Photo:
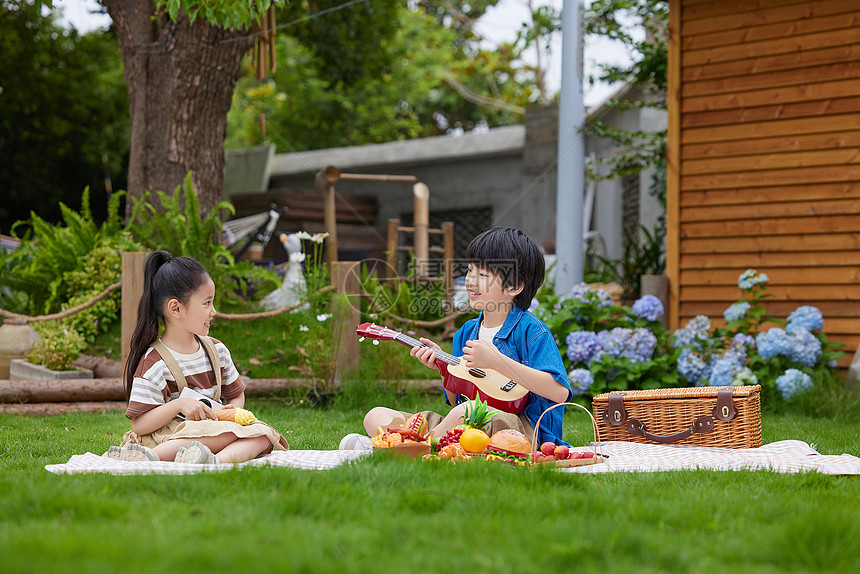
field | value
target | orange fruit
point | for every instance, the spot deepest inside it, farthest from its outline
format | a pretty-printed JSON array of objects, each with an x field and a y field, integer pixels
[{"x": 474, "y": 440}]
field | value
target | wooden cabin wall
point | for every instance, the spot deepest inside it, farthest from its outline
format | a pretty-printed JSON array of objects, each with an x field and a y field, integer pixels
[{"x": 764, "y": 157}]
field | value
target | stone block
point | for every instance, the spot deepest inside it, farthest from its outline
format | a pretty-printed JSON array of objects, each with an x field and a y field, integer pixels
[{"x": 21, "y": 369}]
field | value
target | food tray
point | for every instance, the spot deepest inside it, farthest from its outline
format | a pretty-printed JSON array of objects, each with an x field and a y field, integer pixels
[{"x": 570, "y": 462}]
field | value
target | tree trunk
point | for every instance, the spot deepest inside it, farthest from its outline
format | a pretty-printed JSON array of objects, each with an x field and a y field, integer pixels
[{"x": 180, "y": 79}]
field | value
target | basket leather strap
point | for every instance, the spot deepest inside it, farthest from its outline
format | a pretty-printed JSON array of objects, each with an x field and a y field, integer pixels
[
  {"x": 725, "y": 409},
  {"x": 616, "y": 414},
  {"x": 702, "y": 424}
]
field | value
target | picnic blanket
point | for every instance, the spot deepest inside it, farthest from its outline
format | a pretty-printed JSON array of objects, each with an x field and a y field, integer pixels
[
  {"x": 790, "y": 456},
  {"x": 302, "y": 459}
]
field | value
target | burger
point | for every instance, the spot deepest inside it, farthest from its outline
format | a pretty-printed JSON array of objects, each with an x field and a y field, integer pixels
[{"x": 509, "y": 445}]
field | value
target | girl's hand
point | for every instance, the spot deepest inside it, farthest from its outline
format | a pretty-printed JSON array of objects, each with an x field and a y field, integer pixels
[
  {"x": 427, "y": 355},
  {"x": 480, "y": 354},
  {"x": 195, "y": 410}
]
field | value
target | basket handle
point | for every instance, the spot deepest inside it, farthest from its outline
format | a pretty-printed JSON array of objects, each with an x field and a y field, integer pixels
[
  {"x": 703, "y": 424},
  {"x": 597, "y": 445}
]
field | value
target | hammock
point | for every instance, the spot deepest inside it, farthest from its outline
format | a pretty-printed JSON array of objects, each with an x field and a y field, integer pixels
[{"x": 252, "y": 228}]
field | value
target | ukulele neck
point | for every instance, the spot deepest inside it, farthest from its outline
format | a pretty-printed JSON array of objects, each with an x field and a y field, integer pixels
[{"x": 440, "y": 355}]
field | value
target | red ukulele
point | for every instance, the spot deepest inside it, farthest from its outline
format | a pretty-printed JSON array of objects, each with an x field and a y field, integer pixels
[{"x": 491, "y": 386}]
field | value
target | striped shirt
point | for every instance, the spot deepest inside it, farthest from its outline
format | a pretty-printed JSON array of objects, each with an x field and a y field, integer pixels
[{"x": 153, "y": 384}]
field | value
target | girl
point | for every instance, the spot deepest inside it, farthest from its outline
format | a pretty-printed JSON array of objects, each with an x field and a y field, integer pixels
[{"x": 164, "y": 426}]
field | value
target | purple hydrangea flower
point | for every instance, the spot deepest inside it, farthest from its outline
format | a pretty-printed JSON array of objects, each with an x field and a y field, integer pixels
[
  {"x": 648, "y": 307},
  {"x": 736, "y": 311},
  {"x": 580, "y": 380},
  {"x": 793, "y": 381},
  {"x": 692, "y": 367},
  {"x": 808, "y": 317},
  {"x": 582, "y": 346}
]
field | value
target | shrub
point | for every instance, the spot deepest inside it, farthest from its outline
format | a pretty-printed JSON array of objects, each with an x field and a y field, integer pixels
[
  {"x": 58, "y": 346},
  {"x": 627, "y": 348}
]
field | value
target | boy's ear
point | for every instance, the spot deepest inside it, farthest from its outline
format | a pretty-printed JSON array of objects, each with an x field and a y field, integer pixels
[{"x": 514, "y": 291}]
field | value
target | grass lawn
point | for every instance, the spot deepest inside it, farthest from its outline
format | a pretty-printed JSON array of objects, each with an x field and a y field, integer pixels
[{"x": 380, "y": 515}]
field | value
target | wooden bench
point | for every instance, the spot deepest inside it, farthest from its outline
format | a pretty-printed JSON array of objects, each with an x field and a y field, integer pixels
[{"x": 358, "y": 235}]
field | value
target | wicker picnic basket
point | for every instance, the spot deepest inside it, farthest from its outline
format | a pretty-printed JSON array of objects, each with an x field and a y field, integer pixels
[
  {"x": 726, "y": 417},
  {"x": 596, "y": 446}
]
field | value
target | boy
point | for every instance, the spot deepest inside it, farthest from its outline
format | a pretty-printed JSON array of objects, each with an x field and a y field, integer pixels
[{"x": 506, "y": 268}]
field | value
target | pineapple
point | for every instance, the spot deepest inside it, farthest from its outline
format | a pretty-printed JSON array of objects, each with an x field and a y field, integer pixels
[{"x": 477, "y": 416}]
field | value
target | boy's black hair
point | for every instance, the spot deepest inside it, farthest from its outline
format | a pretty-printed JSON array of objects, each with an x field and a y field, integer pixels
[{"x": 514, "y": 257}]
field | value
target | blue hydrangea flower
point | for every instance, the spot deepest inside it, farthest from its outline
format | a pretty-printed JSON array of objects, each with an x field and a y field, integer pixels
[
  {"x": 534, "y": 305},
  {"x": 722, "y": 372},
  {"x": 773, "y": 342},
  {"x": 749, "y": 279},
  {"x": 699, "y": 325},
  {"x": 582, "y": 346},
  {"x": 808, "y": 317},
  {"x": 805, "y": 348},
  {"x": 580, "y": 380},
  {"x": 792, "y": 382},
  {"x": 648, "y": 307},
  {"x": 643, "y": 343},
  {"x": 692, "y": 367},
  {"x": 743, "y": 339},
  {"x": 736, "y": 311}
]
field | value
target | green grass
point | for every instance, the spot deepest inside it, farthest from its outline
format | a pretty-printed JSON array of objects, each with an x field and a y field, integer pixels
[{"x": 382, "y": 515}]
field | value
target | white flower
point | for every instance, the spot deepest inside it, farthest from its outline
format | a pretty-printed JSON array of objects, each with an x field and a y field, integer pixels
[
  {"x": 303, "y": 328},
  {"x": 323, "y": 317},
  {"x": 303, "y": 235},
  {"x": 318, "y": 237},
  {"x": 297, "y": 257}
]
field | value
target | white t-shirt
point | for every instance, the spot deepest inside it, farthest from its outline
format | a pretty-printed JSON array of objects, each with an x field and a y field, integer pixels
[{"x": 487, "y": 333}]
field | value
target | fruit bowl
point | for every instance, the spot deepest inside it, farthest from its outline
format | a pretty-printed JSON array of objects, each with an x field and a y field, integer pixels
[{"x": 404, "y": 449}]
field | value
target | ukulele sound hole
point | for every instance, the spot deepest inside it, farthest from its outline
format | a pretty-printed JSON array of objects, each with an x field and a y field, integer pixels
[{"x": 477, "y": 373}]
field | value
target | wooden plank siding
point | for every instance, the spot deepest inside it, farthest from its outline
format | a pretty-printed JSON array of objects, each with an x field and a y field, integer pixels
[{"x": 764, "y": 157}]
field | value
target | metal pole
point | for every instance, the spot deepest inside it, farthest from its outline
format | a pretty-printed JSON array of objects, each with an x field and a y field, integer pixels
[{"x": 569, "y": 251}]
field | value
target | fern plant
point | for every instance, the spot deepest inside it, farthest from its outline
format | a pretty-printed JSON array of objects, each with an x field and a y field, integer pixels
[{"x": 48, "y": 253}]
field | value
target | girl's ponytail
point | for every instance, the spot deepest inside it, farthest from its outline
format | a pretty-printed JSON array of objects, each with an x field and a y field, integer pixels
[{"x": 164, "y": 277}]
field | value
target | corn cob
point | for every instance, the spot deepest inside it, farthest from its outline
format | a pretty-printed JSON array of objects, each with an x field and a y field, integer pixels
[{"x": 239, "y": 416}]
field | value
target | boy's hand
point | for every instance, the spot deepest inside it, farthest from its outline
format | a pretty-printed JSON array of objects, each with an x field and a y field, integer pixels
[
  {"x": 480, "y": 354},
  {"x": 427, "y": 355}
]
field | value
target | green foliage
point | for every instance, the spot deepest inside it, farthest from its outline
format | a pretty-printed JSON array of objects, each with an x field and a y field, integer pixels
[
  {"x": 177, "y": 226},
  {"x": 391, "y": 78},
  {"x": 101, "y": 269},
  {"x": 58, "y": 346},
  {"x": 641, "y": 27},
  {"x": 64, "y": 120},
  {"x": 226, "y": 13},
  {"x": 643, "y": 255},
  {"x": 49, "y": 254}
]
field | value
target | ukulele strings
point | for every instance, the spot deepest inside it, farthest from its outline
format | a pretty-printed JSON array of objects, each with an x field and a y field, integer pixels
[{"x": 452, "y": 360}]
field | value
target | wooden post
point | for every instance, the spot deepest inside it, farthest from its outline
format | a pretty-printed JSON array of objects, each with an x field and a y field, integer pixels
[
  {"x": 393, "y": 242},
  {"x": 325, "y": 184},
  {"x": 422, "y": 228},
  {"x": 346, "y": 310},
  {"x": 133, "y": 264}
]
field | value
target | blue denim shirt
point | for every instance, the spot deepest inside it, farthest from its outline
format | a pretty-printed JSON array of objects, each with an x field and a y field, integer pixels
[{"x": 525, "y": 339}]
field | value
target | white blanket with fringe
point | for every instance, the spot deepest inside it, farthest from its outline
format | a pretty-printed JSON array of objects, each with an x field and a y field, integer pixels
[
  {"x": 301, "y": 459},
  {"x": 789, "y": 456}
]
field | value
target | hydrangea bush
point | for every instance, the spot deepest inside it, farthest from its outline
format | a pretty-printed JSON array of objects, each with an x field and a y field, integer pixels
[{"x": 609, "y": 347}]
